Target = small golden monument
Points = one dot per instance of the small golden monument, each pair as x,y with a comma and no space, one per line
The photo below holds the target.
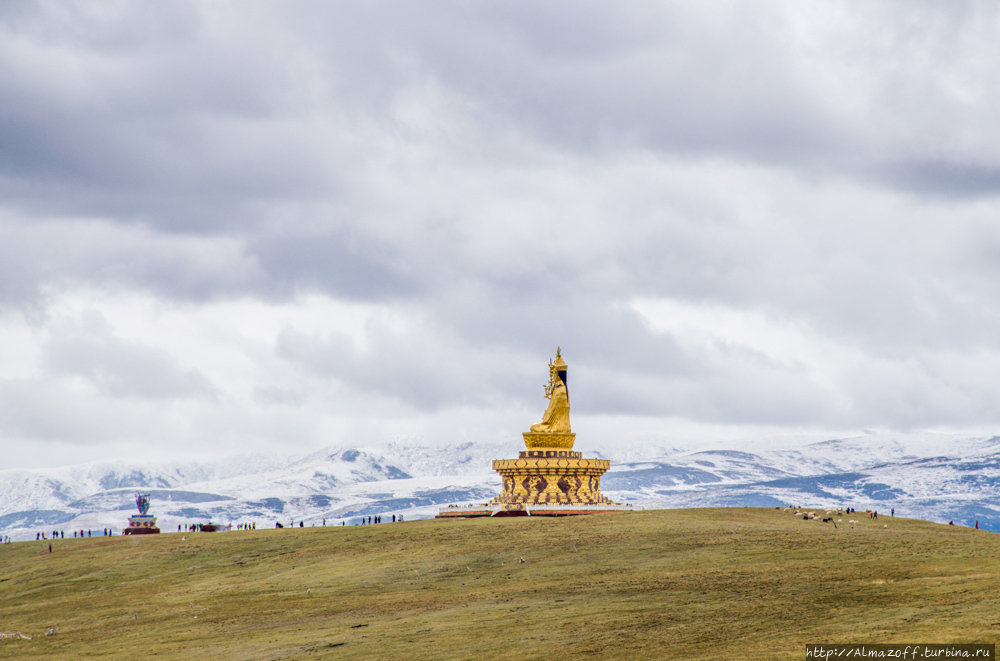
547,478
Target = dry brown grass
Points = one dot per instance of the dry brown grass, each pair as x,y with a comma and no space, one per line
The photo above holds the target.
742,583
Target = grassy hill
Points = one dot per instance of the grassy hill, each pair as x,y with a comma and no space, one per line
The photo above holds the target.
742,583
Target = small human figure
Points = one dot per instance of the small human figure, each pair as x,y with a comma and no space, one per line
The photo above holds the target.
977,524
892,512
302,524
50,548
394,518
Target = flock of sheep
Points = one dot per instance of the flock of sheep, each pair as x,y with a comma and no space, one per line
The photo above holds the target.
809,516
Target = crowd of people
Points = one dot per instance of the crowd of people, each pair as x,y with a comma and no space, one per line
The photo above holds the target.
193,527
365,520
61,534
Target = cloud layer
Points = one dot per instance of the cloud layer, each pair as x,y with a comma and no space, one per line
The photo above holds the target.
259,225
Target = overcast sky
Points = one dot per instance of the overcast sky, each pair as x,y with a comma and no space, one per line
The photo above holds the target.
251,226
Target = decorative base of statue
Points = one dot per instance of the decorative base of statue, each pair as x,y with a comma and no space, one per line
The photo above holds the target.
142,523
548,440
534,480
548,478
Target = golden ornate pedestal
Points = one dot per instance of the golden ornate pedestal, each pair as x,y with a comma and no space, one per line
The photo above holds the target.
550,473
549,476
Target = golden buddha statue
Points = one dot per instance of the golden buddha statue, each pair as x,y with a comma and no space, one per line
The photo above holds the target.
554,429
556,418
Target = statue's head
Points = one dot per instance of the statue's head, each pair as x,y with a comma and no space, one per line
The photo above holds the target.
558,367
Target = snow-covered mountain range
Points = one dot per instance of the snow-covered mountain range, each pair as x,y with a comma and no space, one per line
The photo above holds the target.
933,476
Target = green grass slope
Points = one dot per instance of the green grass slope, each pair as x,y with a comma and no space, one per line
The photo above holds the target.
745,583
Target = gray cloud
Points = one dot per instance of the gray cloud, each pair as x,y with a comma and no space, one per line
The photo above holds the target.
352,267
39,254
206,119
120,368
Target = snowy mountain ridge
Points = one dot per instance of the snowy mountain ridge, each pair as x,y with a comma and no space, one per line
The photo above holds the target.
936,476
